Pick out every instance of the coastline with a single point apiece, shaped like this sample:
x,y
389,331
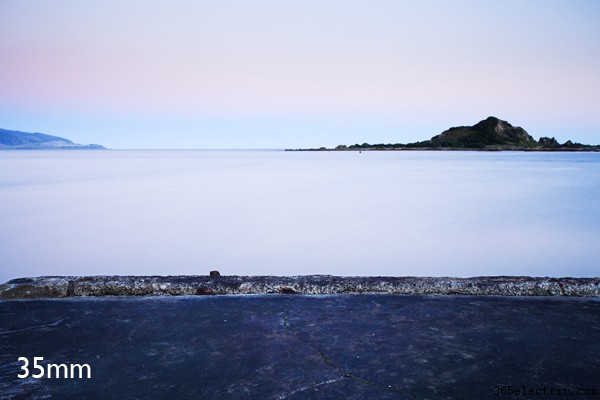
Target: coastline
x,y
535,150
81,286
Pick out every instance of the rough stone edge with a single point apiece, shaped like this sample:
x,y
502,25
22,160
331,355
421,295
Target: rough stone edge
x,y
76,286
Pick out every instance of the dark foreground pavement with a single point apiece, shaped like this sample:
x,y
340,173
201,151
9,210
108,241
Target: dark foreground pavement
x,y
304,347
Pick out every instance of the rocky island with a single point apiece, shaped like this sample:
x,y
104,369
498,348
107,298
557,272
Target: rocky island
x,y
490,134
16,140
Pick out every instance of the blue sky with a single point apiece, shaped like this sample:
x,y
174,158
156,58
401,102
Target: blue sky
x,y
275,74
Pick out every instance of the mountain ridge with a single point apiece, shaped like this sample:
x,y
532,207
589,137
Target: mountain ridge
x,y
17,140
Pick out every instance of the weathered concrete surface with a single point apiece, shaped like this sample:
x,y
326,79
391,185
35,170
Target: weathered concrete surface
x,y
65,286
303,347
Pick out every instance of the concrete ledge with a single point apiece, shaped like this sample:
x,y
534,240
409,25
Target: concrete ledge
x,y
68,286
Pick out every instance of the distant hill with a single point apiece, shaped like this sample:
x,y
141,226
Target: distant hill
x,y
29,141
495,134
490,134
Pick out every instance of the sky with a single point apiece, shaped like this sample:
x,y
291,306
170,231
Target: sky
x,y
289,74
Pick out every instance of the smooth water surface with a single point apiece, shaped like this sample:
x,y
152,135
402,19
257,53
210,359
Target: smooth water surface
x,y
287,213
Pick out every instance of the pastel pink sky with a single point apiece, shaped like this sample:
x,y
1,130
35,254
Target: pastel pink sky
x,y
287,73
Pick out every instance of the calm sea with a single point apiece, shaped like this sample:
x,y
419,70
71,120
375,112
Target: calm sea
x,y
289,213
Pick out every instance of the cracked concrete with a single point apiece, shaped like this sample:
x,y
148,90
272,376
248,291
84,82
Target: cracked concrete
x,y
311,387
38,327
344,374
298,347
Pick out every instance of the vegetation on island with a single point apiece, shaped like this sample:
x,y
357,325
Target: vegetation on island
x,y
490,134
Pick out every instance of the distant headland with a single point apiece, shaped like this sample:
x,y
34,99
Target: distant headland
x,y
491,134
17,140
